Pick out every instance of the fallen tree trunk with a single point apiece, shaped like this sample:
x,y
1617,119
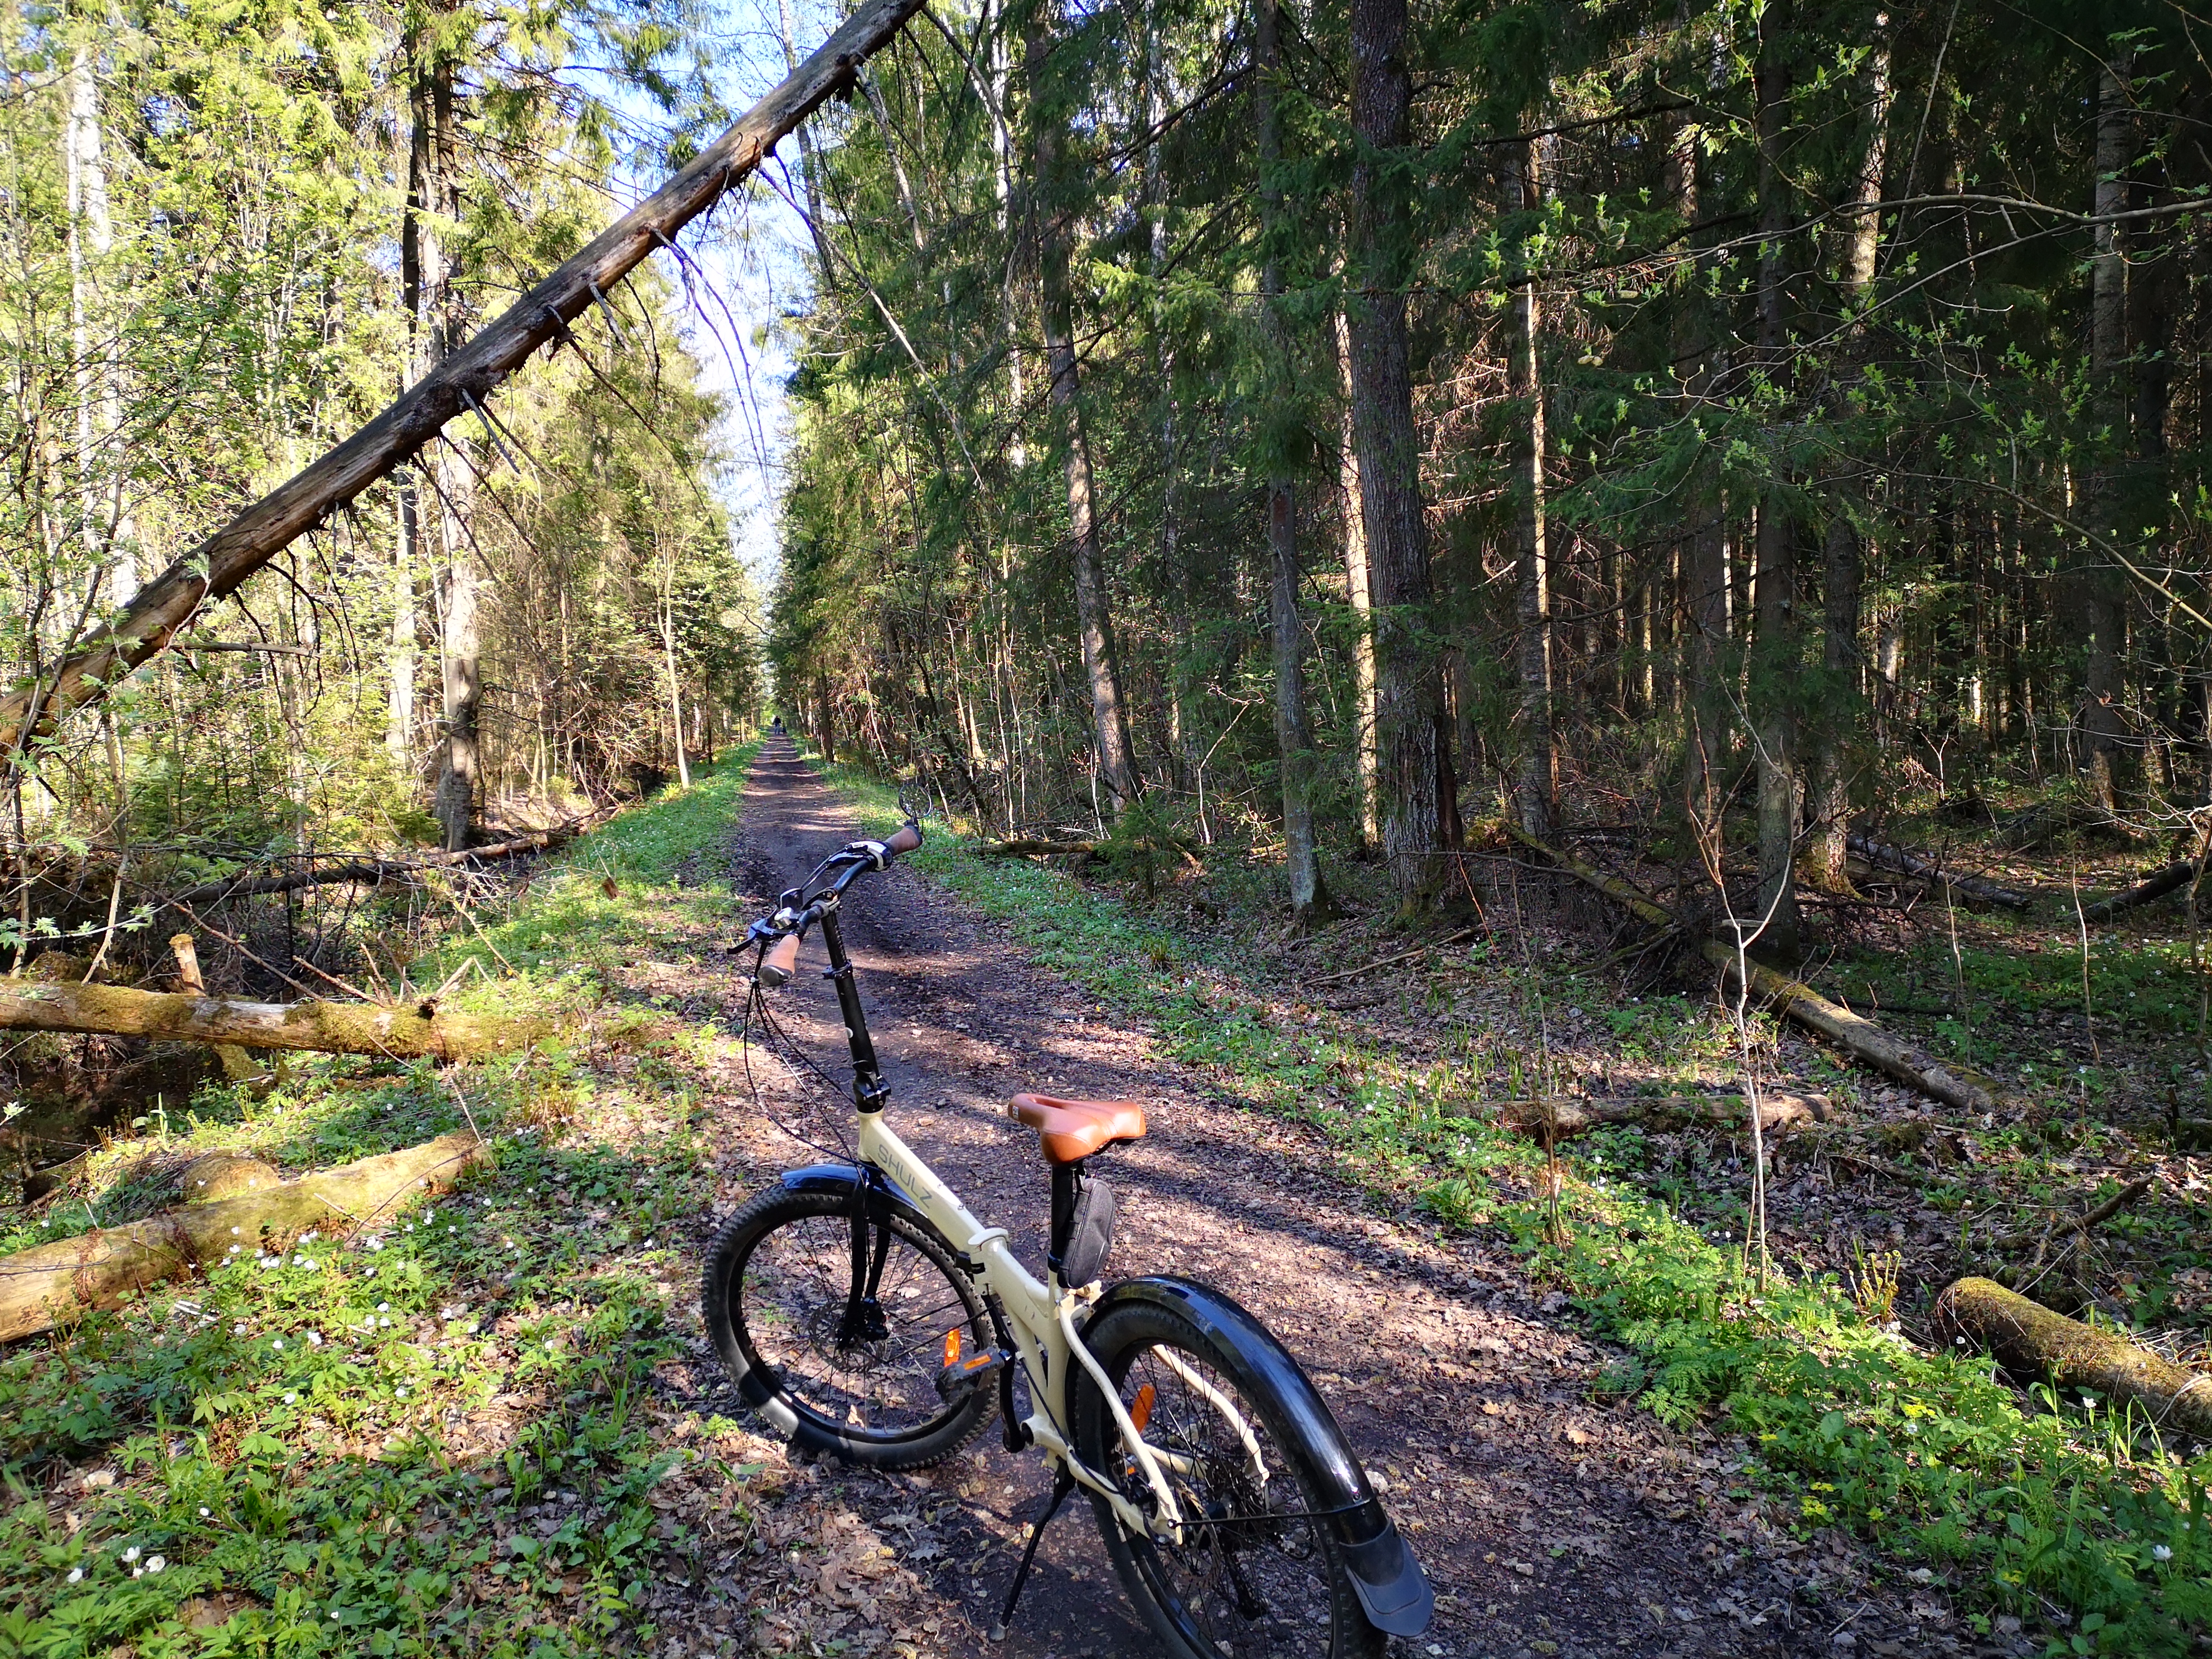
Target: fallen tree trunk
x,y
1860,1038
1884,857
1566,1115
41,1287
2032,1342
2172,879
375,871
463,380
1029,847
404,1032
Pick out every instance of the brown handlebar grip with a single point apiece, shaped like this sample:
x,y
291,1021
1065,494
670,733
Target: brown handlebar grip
x,y
909,838
780,963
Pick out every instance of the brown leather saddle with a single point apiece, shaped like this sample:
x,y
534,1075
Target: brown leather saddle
x,y
1069,1131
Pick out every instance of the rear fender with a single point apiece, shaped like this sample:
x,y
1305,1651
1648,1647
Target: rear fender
x,y
1393,1590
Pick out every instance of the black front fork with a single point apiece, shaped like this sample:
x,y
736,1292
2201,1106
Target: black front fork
x,y
863,1321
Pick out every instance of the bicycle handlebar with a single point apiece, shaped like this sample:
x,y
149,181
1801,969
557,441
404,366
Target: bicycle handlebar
x,y
777,967
805,904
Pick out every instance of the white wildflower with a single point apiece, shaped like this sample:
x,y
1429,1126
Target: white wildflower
x,y
314,1338
2160,1553
130,1554
155,1564
205,1512
77,1575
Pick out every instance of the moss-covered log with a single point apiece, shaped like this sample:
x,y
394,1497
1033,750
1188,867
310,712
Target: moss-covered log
x,y
406,1031
41,1286
2035,1344
1567,1115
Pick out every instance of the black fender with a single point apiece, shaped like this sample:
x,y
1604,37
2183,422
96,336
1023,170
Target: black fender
x,y
1393,1590
884,1194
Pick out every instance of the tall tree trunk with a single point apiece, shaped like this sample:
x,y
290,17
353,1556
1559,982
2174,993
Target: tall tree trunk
x,y
1777,647
1704,553
1536,793
2104,608
1359,595
439,326
675,677
1406,664
1843,560
1310,898
1182,737
110,528
399,656
461,643
1117,768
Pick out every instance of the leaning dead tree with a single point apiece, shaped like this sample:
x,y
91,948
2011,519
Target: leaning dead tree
x,y
1792,999
463,380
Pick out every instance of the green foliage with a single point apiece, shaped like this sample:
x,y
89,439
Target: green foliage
x,y
1925,1453
279,1437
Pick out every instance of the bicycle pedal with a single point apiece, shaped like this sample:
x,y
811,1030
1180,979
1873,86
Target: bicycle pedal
x,y
961,1377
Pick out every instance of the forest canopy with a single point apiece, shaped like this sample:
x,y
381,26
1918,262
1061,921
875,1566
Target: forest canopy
x,y
1328,425
235,234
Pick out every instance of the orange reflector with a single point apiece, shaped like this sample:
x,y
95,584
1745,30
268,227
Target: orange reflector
x,y
952,1347
1140,1408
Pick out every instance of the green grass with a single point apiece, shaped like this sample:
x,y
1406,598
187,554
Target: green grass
x,y
2015,1503
345,1446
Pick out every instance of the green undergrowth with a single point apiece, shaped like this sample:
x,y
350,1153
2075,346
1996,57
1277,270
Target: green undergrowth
x,y
2045,1508
440,1434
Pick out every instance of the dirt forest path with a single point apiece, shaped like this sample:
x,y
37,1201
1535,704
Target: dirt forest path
x,y
1549,1525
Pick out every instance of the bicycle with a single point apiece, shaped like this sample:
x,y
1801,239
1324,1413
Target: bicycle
x,y
865,1314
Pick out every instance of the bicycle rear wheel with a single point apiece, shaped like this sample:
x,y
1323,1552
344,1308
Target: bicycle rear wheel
x,y
858,1381
1260,1572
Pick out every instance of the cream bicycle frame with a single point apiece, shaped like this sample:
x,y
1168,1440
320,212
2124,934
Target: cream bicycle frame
x,y
1042,1319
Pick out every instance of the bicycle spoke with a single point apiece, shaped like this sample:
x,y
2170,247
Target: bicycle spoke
x,y
1244,1574
798,1288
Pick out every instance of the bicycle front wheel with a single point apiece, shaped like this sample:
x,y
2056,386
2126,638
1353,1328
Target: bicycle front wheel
x,y
1260,1571
848,1374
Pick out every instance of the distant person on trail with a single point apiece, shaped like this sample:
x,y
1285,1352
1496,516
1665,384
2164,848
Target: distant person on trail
x,y
776,726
